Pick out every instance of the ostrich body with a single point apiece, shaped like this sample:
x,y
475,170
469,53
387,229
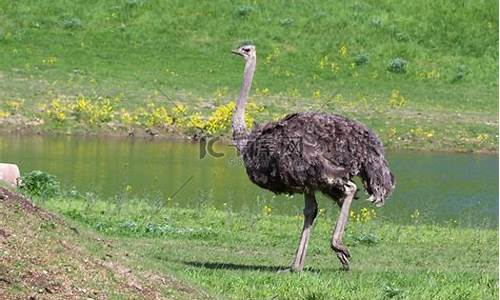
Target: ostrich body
x,y
308,152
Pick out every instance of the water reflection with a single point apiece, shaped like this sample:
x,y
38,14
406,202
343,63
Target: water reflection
x,y
442,186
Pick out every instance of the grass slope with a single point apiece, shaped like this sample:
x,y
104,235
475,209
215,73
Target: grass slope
x,y
135,41
41,257
237,255
310,52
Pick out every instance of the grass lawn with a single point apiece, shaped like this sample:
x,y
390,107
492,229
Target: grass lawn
x,y
238,255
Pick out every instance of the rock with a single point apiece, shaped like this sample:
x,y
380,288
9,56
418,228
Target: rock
x,y
10,173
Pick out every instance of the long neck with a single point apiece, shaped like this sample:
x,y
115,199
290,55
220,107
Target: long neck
x,y
239,127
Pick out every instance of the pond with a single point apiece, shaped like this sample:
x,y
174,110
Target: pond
x,y
443,187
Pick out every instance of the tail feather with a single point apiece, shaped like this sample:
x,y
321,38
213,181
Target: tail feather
x,y
378,180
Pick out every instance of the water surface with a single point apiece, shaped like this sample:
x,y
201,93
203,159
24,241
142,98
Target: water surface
x,y
444,187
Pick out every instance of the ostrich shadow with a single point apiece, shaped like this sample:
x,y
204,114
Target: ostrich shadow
x,y
243,267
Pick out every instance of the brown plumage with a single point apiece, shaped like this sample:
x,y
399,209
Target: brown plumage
x,y
311,151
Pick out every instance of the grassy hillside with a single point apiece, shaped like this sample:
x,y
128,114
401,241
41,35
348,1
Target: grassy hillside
x,y
134,42
345,57
43,257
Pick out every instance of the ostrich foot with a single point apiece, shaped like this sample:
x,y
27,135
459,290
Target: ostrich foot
x,y
292,269
343,254
344,260
289,270
298,263
284,271
296,268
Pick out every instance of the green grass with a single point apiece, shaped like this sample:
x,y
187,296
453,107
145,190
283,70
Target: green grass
x,y
178,52
237,255
132,42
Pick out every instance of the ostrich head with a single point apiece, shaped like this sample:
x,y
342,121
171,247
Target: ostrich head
x,y
246,51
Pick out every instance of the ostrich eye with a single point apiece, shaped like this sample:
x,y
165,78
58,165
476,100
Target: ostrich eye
x,y
246,49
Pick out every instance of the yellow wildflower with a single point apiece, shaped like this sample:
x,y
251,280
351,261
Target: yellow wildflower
x,y
343,51
396,99
317,94
267,210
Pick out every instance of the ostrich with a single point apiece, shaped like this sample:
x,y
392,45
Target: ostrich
x,y
308,152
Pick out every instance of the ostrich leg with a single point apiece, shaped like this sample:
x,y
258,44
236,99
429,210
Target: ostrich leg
x,y
338,232
310,212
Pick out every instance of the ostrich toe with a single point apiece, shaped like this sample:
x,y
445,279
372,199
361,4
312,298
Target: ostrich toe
x,y
343,254
344,260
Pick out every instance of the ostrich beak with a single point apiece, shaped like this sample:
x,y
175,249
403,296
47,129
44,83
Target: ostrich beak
x,y
235,51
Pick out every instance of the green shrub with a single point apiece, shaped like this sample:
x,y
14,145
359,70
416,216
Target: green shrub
x,y
71,22
244,10
398,65
39,184
287,22
460,74
361,59
402,37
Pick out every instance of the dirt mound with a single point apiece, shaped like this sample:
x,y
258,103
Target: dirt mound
x,y
42,257
12,199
